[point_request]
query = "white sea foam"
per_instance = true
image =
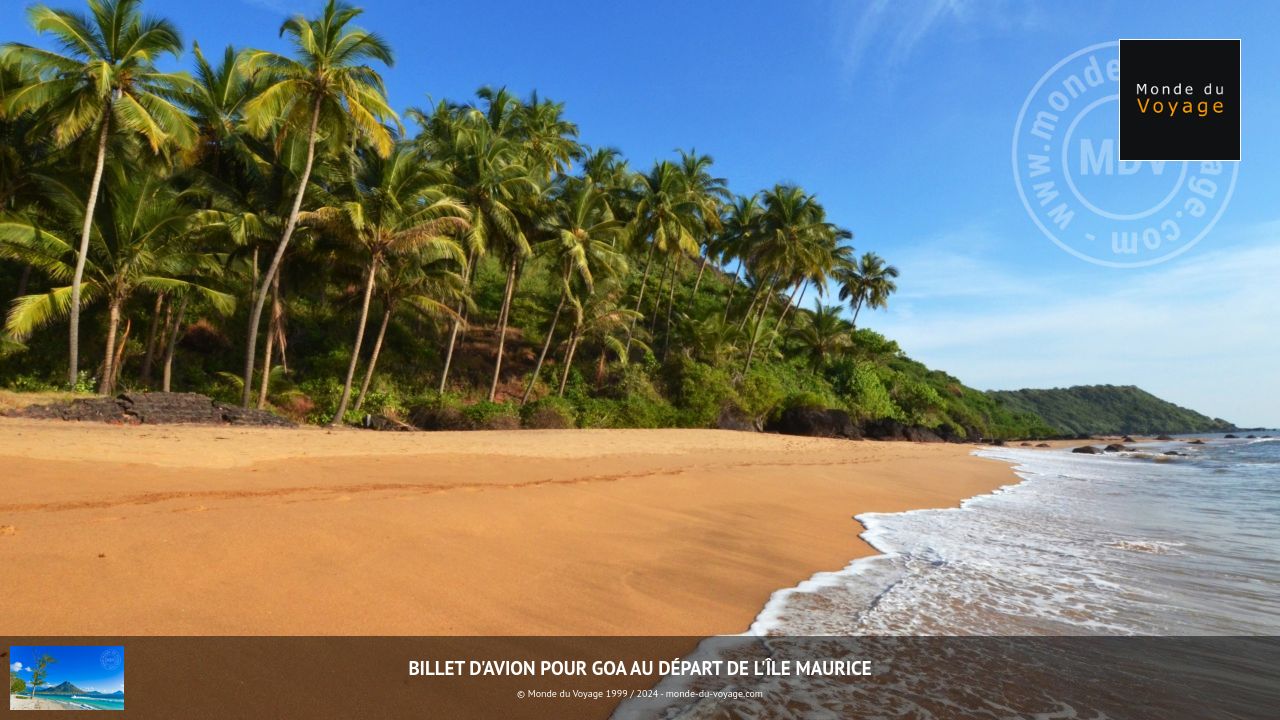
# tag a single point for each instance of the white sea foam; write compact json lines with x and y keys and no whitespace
{"x":1060,"y":553}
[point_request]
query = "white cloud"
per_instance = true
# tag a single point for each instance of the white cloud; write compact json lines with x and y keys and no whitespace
{"x":1199,"y":331}
{"x":16,"y":667}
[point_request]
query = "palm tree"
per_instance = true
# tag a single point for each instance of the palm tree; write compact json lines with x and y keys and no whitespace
{"x":601,"y":320}
{"x":709,"y":194}
{"x":428,"y":281}
{"x":327,"y":87}
{"x":791,"y":226}
{"x":666,"y":217}
{"x":823,"y":334}
{"x":482,"y":149}
{"x":104,"y":81}
{"x":868,"y":283}
{"x":579,"y":242}
{"x":735,"y":243}
{"x":141,"y":241}
{"x":398,"y":209}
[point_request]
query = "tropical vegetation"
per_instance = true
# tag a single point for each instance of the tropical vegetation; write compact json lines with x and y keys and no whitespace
{"x":471,"y":262}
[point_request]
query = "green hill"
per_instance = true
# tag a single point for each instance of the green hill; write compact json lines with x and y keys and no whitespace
{"x":1108,"y":409}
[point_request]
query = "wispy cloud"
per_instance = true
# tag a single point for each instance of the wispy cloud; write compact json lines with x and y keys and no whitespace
{"x":1199,"y":331}
{"x":884,"y":33}
{"x":284,"y":7}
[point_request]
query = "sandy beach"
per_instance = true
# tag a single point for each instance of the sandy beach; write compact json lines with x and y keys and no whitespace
{"x":223,"y":531}
{"x":24,"y":702}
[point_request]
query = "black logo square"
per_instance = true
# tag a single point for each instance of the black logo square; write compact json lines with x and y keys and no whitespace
{"x":1179,"y":99}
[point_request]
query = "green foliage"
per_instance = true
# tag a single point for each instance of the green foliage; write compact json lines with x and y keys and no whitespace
{"x":1107,"y":409}
{"x":549,"y":413}
{"x":671,"y":291}
{"x":30,"y":383}
{"x":486,"y":415}
{"x":864,"y":393}
{"x":700,"y":392}
{"x":16,"y":684}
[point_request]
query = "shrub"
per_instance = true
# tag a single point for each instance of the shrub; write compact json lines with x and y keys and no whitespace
{"x":486,"y":415}
{"x":860,"y":385}
{"x":549,"y":413}
{"x":807,"y":399}
{"x":701,"y":393}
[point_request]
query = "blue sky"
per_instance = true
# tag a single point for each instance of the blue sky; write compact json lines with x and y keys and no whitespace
{"x":899,"y":116}
{"x":81,"y":665}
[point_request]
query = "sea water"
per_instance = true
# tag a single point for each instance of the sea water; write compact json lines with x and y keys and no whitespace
{"x":1135,"y":543}
{"x":86,"y":702}
{"x":1010,"y":605}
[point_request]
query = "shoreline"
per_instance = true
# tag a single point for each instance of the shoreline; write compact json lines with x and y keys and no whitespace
{"x":221,"y":531}
{"x":41,"y":702}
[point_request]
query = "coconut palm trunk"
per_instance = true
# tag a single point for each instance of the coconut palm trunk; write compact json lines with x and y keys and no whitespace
{"x":702,"y":268}
{"x":671,"y":302}
{"x":503,"y":316}
{"x":355,"y":351}
{"x":273,"y":330}
{"x":546,"y":345}
{"x":657,"y":305}
{"x":107,"y":385}
{"x":856,"y":309}
{"x":255,"y":317}
{"x":174,"y":335}
{"x":83,"y":254}
{"x":733,"y":285}
{"x":457,"y":322}
{"x":153,"y":340}
{"x":755,"y":333}
{"x":644,"y":280}
{"x":373,"y":359}
{"x":122,"y":345}
{"x":568,"y":359}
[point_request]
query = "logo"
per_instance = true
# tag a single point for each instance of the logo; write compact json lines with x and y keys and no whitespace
{"x":111,"y":658}
{"x":1082,"y":196}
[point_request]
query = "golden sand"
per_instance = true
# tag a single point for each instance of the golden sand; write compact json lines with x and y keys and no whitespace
{"x":147,"y":530}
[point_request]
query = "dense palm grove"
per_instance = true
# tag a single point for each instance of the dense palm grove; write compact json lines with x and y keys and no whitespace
{"x":264,"y":228}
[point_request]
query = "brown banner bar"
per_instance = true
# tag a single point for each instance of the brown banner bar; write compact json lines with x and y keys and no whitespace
{"x":679,"y":677}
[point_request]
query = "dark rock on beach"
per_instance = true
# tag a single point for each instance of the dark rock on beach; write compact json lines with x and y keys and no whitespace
{"x":735,"y":418}
{"x":1229,"y":436}
{"x":1087,"y":450}
{"x":1043,"y":445}
{"x":1126,"y":438}
{"x":1195,"y":442}
{"x":153,"y":409}
{"x":815,"y":422}
{"x":384,"y":423}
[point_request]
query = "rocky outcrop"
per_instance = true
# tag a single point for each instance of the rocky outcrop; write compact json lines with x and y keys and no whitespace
{"x":156,"y":408}
{"x":1087,"y":450}
{"x":815,"y":422}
